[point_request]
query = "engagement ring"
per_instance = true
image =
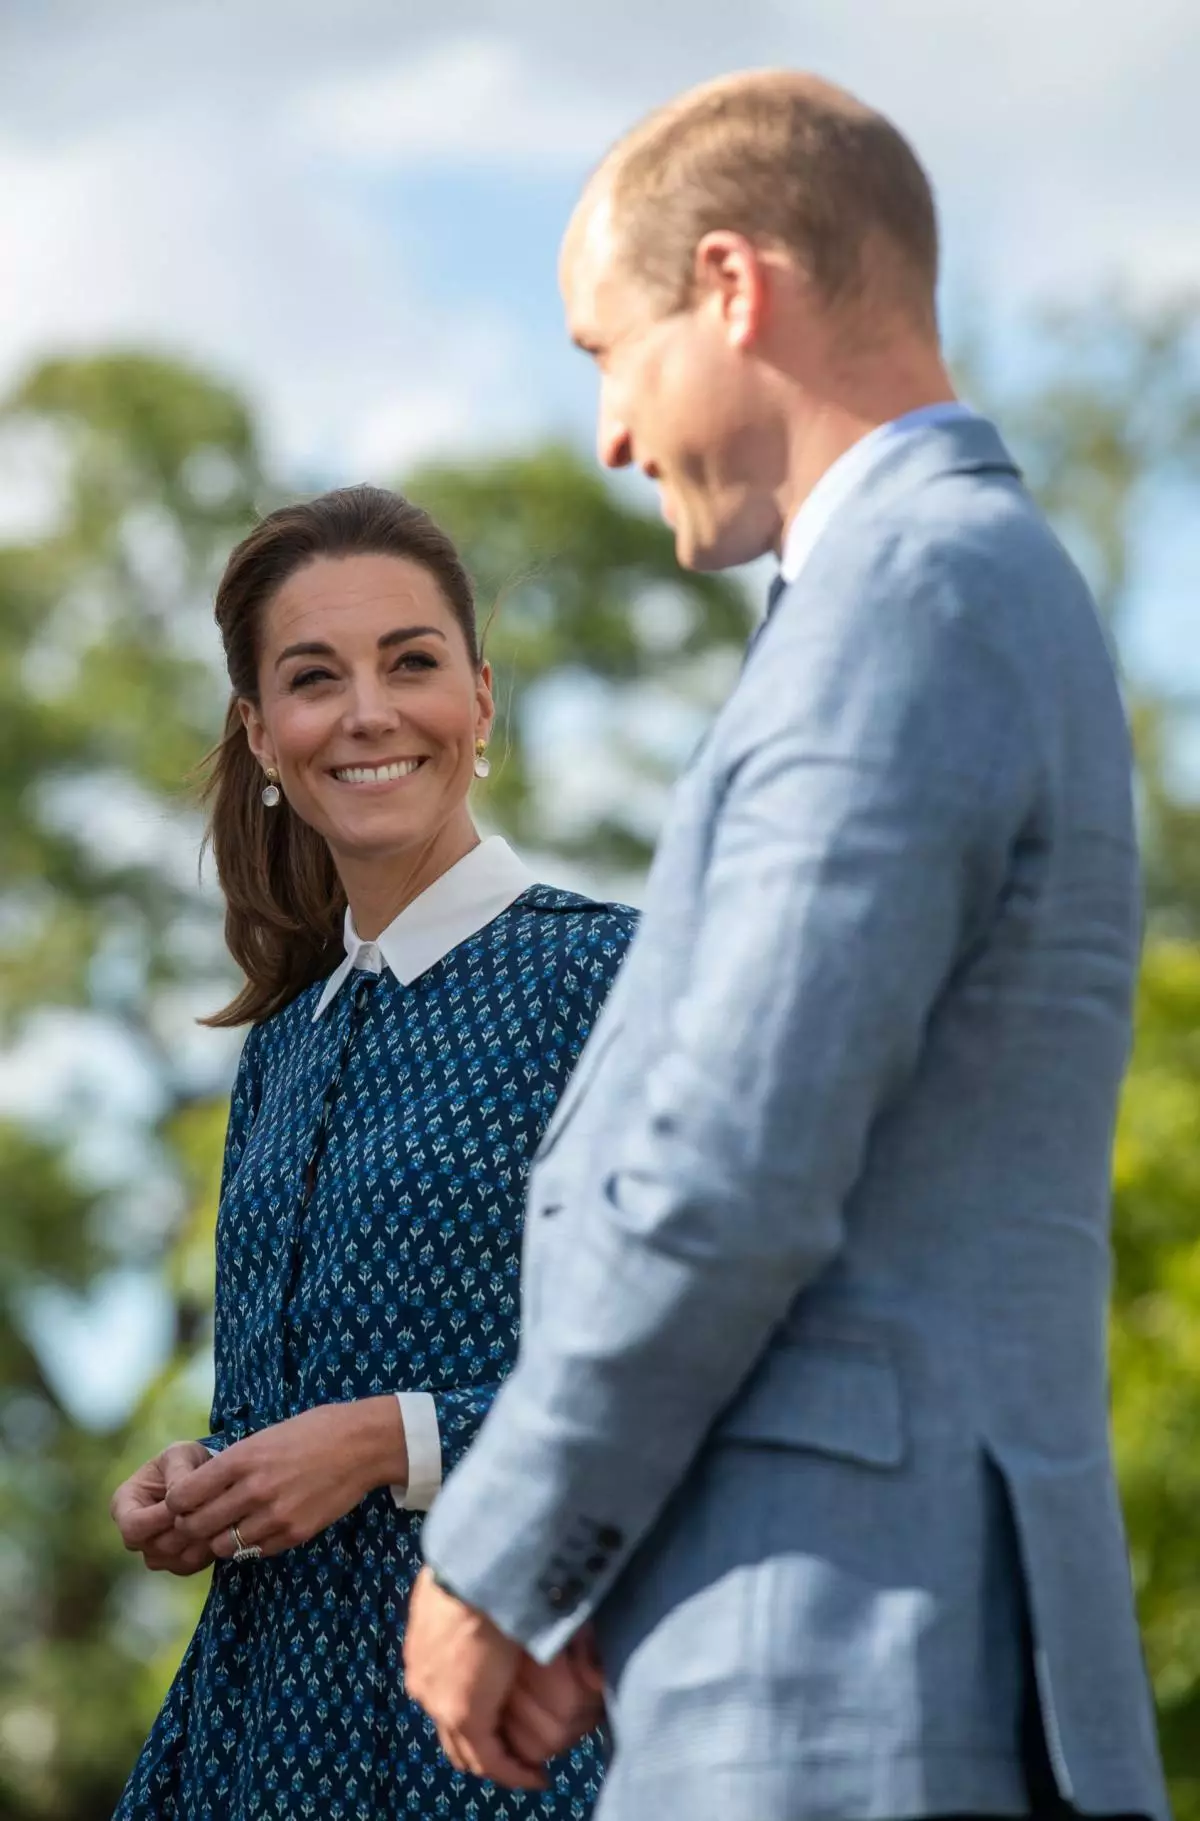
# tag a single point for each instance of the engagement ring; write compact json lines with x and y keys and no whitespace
{"x":243,"y":1552}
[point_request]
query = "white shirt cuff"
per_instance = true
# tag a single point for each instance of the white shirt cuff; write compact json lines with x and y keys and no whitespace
{"x":419,"y":1415}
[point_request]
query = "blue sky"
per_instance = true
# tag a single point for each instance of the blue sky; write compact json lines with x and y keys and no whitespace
{"x":353,"y":210}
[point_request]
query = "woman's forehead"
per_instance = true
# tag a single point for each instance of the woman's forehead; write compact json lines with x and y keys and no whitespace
{"x":348,"y":595}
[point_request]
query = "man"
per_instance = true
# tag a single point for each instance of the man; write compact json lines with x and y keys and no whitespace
{"x":810,"y":1414}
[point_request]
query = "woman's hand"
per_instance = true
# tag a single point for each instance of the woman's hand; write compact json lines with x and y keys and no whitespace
{"x":551,"y":1705}
{"x":283,"y":1485}
{"x":147,"y":1525}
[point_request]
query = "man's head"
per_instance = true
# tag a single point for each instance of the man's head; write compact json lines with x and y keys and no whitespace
{"x":737,"y":262}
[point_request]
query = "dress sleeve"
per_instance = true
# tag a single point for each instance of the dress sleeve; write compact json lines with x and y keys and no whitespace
{"x":441,"y":1425}
{"x":243,"y":1111}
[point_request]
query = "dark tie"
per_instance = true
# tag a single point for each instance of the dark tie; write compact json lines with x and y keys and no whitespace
{"x":778,"y":587}
{"x":773,"y":593}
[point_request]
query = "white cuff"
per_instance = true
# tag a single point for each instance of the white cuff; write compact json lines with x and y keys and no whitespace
{"x":418,"y":1413}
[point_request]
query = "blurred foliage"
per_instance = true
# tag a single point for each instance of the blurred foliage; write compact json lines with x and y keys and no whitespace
{"x":109,"y":693}
{"x":576,"y":589}
{"x":107,"y":700}
{"x":1156,"y":1343}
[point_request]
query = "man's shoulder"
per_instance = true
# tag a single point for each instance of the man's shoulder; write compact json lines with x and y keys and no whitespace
{"x":907,"y":582}
{"x":957,"y":537}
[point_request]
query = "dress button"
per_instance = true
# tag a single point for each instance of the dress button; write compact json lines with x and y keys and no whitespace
{"x":609,"y":1537}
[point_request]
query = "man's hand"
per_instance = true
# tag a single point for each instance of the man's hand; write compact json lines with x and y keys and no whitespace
{"x":146,"y":1522}
{"x":461,"y":1668}
{"x":283,"y":1485}
{"x":552,"y":1705}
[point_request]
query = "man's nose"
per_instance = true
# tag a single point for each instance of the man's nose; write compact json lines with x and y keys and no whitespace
{"x":614,"y":443}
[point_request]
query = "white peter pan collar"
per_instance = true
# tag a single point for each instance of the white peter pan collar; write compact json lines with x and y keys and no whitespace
{"x":459,"y":904}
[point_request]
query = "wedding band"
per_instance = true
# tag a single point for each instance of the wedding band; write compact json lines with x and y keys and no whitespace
{"x":243,"y":1552}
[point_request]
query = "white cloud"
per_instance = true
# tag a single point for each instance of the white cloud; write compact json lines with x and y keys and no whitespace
{"x":213,"y":181}
{"x":223,"y":244}
{"x":1062,"y":136}
{"x":468,"y":101}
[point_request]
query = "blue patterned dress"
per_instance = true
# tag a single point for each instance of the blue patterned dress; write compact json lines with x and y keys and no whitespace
{"x":369,"y":1240}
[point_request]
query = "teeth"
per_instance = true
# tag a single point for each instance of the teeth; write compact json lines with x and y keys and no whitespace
{"x":374,"y":774}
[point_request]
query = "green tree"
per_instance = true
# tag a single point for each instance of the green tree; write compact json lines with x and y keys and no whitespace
{"x":1156,"y":1343}
{"x":104,"y":699}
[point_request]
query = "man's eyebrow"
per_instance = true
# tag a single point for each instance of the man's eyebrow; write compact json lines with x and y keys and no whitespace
{"x":316,"y":648}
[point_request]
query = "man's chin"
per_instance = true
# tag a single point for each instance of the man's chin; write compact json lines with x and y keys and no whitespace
{"x":695,"y":553}
{"x":729,"y":550}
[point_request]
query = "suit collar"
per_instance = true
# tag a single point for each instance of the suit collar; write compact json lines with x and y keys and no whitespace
{"x":936,"y":439}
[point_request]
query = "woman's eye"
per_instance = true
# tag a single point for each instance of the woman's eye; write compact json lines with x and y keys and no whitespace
{"x":415,"y":660}
{"x":304,"y":678}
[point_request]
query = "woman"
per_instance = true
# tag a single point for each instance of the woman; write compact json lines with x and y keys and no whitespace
{"x":416,"y":1002}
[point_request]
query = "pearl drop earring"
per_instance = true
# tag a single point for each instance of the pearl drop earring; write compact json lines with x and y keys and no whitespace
{"x":271,"y":792}
{"x":483,"y":765}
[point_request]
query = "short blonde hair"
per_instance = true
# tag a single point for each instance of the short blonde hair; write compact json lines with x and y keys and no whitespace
{"x":785,"y":160}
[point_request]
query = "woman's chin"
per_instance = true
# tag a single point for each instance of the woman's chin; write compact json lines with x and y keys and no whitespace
{"x":366,"y":837}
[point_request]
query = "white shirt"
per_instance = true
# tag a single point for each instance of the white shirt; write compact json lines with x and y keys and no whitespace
{"x":847,"y":475}
{"x":474,"y":892}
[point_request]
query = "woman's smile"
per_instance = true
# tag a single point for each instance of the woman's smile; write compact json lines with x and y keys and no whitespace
{"x":384,"y":772}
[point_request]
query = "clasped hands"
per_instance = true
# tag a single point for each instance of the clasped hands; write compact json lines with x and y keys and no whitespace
{"x":498,"y":1713}
{"x":280,"y":1486}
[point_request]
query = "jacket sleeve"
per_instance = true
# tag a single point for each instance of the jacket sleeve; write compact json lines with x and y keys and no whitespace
{"x":243,"y":1110}
{"x":445,"y":1431}
{"x":871,"y":771}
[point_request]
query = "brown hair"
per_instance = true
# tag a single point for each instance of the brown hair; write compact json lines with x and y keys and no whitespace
{"x":284,"y":902}
{"x":786,"y":160}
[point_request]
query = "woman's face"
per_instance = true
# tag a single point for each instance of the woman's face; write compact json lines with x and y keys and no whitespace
{"x":369,"y":705}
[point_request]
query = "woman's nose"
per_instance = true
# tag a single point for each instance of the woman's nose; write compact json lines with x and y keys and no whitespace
{"x":370,"y":709}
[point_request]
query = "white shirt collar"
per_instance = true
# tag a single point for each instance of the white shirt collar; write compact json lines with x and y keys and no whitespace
{"x":466,"y":898}
{"x":848,"y":474}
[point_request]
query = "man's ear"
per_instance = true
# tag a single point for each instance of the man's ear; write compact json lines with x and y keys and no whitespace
{"x":730,"y":268}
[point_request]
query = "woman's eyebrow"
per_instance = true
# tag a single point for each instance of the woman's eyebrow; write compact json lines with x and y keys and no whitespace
{"x":403,"y":633}
{"x":316,"y":648}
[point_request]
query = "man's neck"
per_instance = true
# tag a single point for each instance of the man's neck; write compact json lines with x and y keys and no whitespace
{"x":827,"y":429}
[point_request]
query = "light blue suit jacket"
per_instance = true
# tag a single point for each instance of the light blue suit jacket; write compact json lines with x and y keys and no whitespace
{"x":811,"y":1406}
